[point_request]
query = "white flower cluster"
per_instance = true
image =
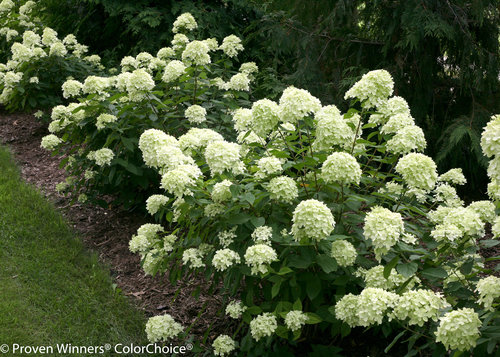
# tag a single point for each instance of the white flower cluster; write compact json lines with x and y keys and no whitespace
{"x":344,"y":253}
{"x":193,"y":257}
{"x":312,"y":219}
{"x":104,"y":119}
{"x":161,"y":151}
{"x":231,"y":45}
{"x":146,"y":236}
{"x":196,"y":114}
{"x":490,"y":138}
{"x":490,"y":143}
{"x":374,"y":278}
{"x":197,"y":139}
{"x":235,"y":309}
{"x":283,"y":189}
{"x":409,"y":138}
{"x":179,"y":180}
{"x":226,"y":238}
{"x":196,"y":53}
{"x":341,"y":167}
{"x":262,"y":235}
{"x":225,"y":258}
{"x":447,"y":194}
{"x":459,"y":329}
{"x":155,"y":202}
{"x":295,"y":319}
{"x":173,"y":70}
{"x":249,"y":68}
{"x":485,"y":210}
{"x":365,"y":309}
{"x":238,"y":82}
{"x":383,"y":228}
{"x":221,"y":191}
{"x":372,"y":89}
{"x":265,"y":117}
{"x":223,"y":345}
{"x":71,"y":88}
{"x":296,"y":103}
{"x":162,"y":328}
{"x":418,"y":171}
{"x":331,"y":129}
{"x":455,"y":223}
{"x":224,"y":156}
{"x":258,"y":257}
{"x":50,"y":142}
{"x":454,"y":177}
{"x":419,"y":306}
{"x":489,"y":290}
{"x":267,"y":166}
{"x":102,"y":157}
{"x":263,"y":325}
{"x":186,"y":22}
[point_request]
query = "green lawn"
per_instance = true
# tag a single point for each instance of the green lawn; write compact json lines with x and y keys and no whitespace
{"x":51,"y":289}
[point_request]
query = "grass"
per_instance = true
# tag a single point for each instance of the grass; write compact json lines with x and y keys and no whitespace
{"x":51,"y":289}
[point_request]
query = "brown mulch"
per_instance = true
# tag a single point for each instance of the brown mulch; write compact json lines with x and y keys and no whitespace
{"x":107,"y":232}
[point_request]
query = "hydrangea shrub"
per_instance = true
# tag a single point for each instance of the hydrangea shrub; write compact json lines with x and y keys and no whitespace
{"x":184,"y":89}
{"x":38,"y":61}
{"x":320,"y":223}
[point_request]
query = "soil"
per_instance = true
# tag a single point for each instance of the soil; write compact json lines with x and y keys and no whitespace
{"x":107,"y":232}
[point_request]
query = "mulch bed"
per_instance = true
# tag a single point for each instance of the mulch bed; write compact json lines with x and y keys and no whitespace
{"x":107,"y":232}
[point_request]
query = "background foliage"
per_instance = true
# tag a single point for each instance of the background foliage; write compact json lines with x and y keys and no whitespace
{"x":443,"y":56}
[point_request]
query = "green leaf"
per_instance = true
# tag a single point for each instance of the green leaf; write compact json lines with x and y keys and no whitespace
{"x":394,"y":341}
{"x":388,"y":268}
{"x":296,"y":261}
{"x":249,"y":197}
{"x":258,"y":221}
{"x":312,"y":318}
{"x":407,"y":270}
{"x":275,"y":289}
{"x":282,"y":331}
{"x":284,"y":271}
{"x":327,"y":263}
{"x":129,"y":143}
{"x":238,"y":218}
{"x":466,"y":268}
{"x":297,"y":305}
{"x":313,"y":287}
{"x":434,"y":273}
{"x":253,"y":310}
{"x":488,"y":243}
